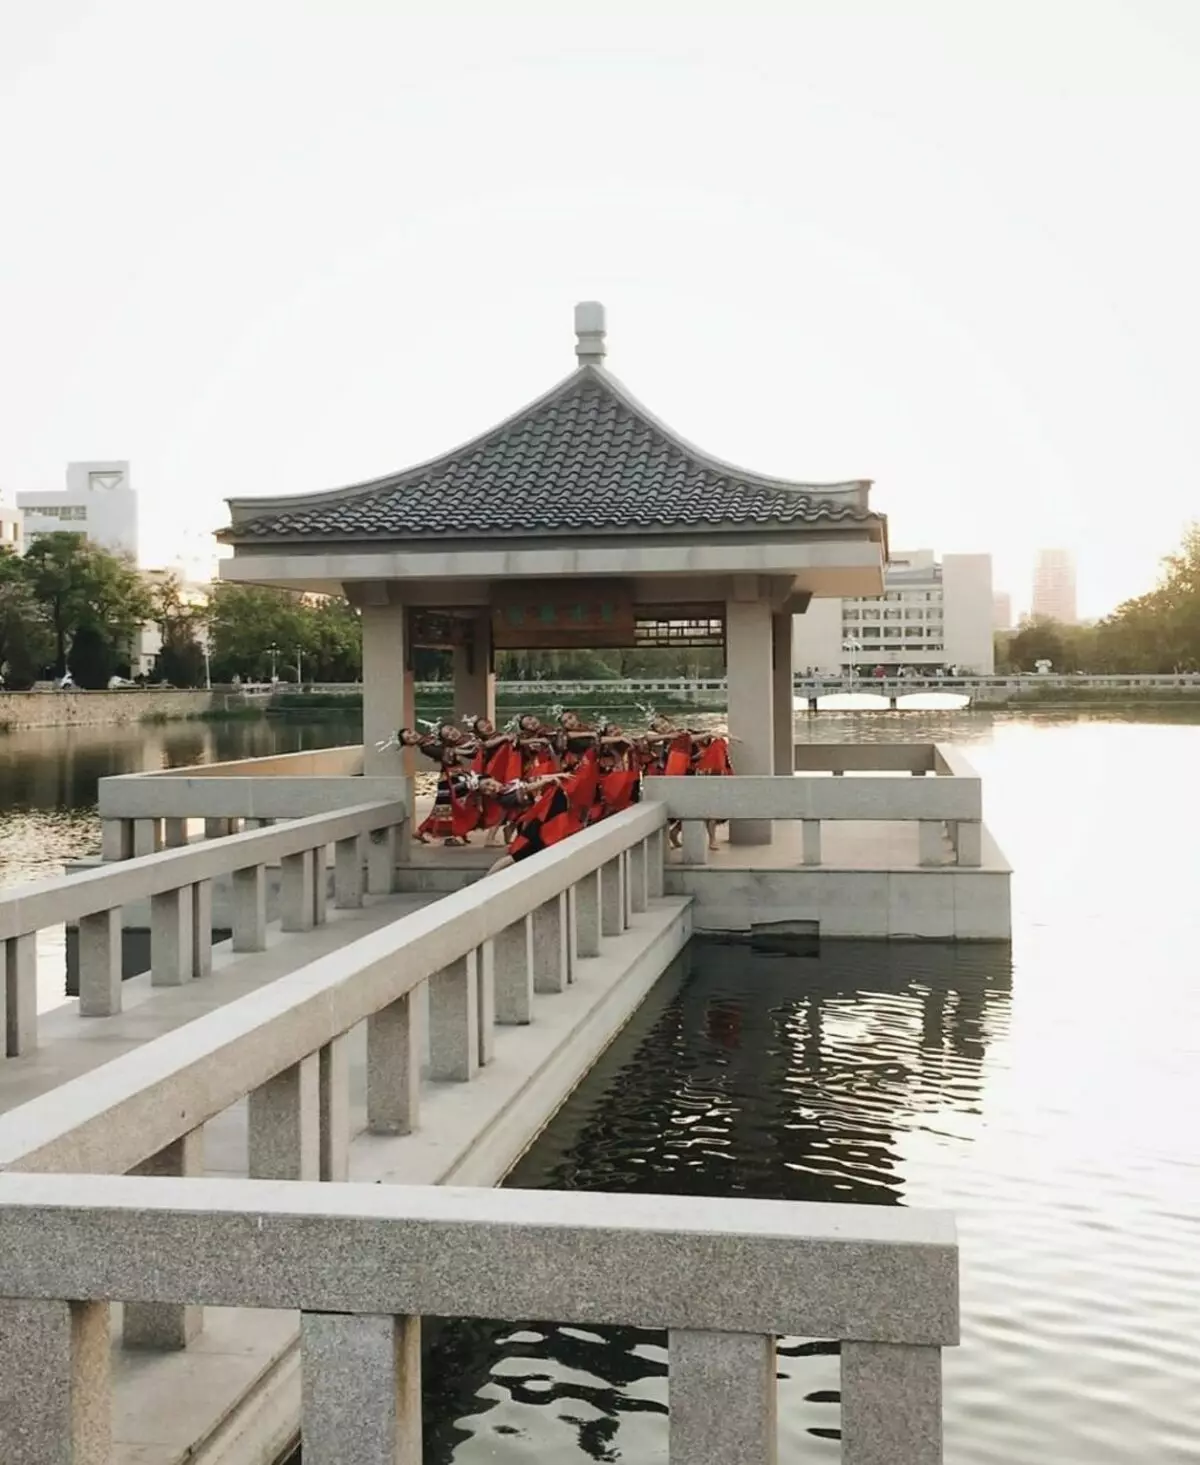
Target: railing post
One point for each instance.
(171, 937)
(175, 833)
(285, 1139)
(20, 995)
(891, 1404)
(587, 915)
(116, 839)
(250, 909)
(217, 828)
(721, 1397)
(513, 972)
(550, 934)
(655, 860)
(931, 849)
(695, 842)
(626, 888)
(360, 1389)
(320, 879)
(333, 1103)
(100, 964)
(394, 1068)
(612, 898)
(636, 874)
(810, 841)
(348, 873)
(202, 928)
(454, 1020)
(381, 860)
(485, 1001)
(167, 1325)
(296, 891)
(55, 1383)
(147, 836)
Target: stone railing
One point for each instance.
(178, 884)
(724, 1278)
(432, 984)
(945, 806)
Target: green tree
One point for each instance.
(1041, 639)
(332, 641)
(244, 622)
(26, 641)
(79, 584)
(180, 660)
(1159, 631)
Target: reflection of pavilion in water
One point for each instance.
(757, 1075)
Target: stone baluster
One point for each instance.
(655, 859)
(810, 841)
(394, 1067)
(250, 909)
(360, 1389)
(202, 902)
(454, 1020)
(485, 1001)
(551, 933)
(382, 850)
(333, 1102)
(626, 888)
(721, 1394)
(172, 949)
(695, 842)
(587, 901)
(175, 833)
(20, 995)
(512, 968)
(637, 876)
(891, 1404)
(147, 836)
(285, 1141)
(55, 1383)
(217, 828)
(167, 1325)
(320, 879)
(116, 839)
(348, 860)
(612, 897)
(100, 964)
(296, 891)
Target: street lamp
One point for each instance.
(299, 666)
(274, 650)
(853, 645)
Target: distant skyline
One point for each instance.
(264, 247)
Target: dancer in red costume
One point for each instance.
(497, 762)
(712, 761)
(453, 816)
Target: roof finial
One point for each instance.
(589, 333)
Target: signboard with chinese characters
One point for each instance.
(550, 615)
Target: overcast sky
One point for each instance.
(264, 246)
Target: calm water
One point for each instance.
(1047, 1096)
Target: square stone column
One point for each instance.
(387, 689)
(751, 697)
(783, 699)
(474, 679)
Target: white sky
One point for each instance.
(262, 246)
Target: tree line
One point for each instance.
(1153, 634)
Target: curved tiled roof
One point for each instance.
(586, 457)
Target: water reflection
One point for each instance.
(753, 1075)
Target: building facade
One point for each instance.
(1054, 586)
(933, 615)
(12, 534)
(1002, 612)
(99, 502)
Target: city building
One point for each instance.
(98, 502)
(12, 533)
(1054, 586)
(932, 614)
(1002, 615)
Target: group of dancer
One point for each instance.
(535, 783)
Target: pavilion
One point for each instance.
(580, 521)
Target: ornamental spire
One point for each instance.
(589, 333)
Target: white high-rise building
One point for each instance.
(12, 532)
(933, 613)
(1002, 616)
(1054, 586)
(98, 502)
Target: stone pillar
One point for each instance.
(722, 1393)
(891, 1403)
(55, 1383)
(751, 700)
(394, 1068)
(512, 972)
(385, 706)
(474, 681)
(167, 1325)
(285, 1124)
(783, 699)
(360, 1389)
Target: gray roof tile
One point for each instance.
(586, 457)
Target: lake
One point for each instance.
(1027, 1091)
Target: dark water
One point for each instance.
(1048, 1095)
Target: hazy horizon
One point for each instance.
(279, 247)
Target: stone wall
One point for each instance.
(95, 709)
